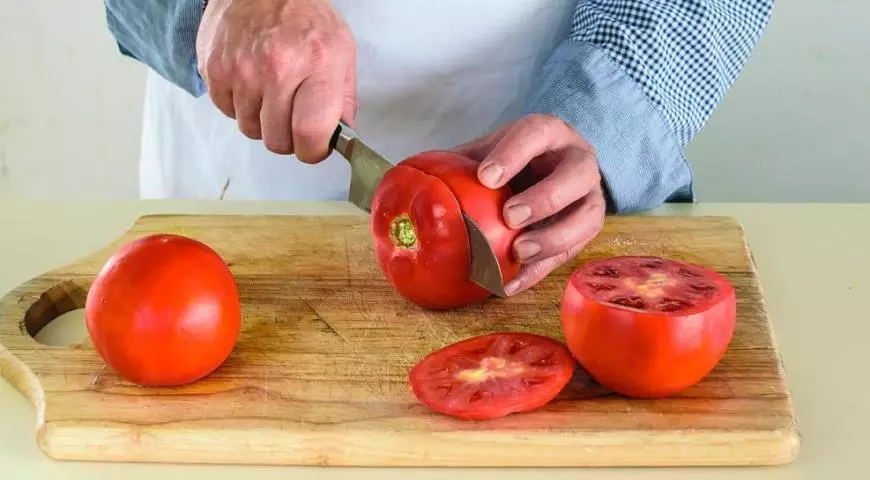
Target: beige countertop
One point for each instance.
(811, 259)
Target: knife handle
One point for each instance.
(341, 139)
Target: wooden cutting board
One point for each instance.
(319, 374)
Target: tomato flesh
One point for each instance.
(493, 375)
(420, 238)
(164, 310)
(647, 326)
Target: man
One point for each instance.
(587, 103)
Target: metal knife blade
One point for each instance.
(366, 166)
(367, 169)
(485, 269)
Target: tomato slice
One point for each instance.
(647, 326)
(493, 375)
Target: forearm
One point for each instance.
(638, 79)
(160, 34)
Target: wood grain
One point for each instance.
(319, 374)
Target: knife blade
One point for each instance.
(367, 169)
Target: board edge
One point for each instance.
(740, 448)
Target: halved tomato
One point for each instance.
(647, 326)
(420, 238)
(493, 375)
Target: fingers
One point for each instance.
(246, 103)
(545, 249)
(523, 141)
(574, 176)
(479, 148)
(285, 71)
(223, 100)
(275, 119)
(317, 108)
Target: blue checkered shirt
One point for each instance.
(637, 78)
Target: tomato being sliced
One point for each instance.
(493, 375)
(420, 238)
(647, 326)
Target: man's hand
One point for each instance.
(284, 69)
(561, 199)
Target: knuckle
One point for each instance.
(538, 271)
(553, 201)
(537, 123)
(561, 242)
(276, 55)
(562, 257)
(214, 70)
(244, 70)
(272, 45)
(320, 47)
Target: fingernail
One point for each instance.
(512, 287)
(517, 214)
(490, 175)
(527, 249)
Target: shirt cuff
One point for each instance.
(641, 164)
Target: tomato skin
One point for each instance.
(647, 353)
(491, 376)
(164, 310)
(431, 190)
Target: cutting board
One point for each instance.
(319, 373)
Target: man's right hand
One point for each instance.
(284, 69)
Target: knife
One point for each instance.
(367, 168)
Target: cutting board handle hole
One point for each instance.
(57, 317)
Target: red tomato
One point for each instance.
(647, 326)
(420, 238)
(164, 310)
(492, 375)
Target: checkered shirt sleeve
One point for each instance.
(640, 78)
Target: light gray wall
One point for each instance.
(793, 128)
(796, 124)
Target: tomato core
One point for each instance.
(402, 232)
(491, 367)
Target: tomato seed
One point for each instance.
(631, 302)
(652, 264)
(606, 271)
(600, 287)
(672, 305)
(687, 273)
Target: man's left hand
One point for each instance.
(560, 200)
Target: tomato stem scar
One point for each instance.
(402, 232)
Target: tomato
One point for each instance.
(164, 310)
(646, 326)
(493, 375)
(420, 239)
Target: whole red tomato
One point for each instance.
(647, 326)
(420, 238)
(164, 310)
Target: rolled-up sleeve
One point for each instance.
(162, 35)
(639, 79)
